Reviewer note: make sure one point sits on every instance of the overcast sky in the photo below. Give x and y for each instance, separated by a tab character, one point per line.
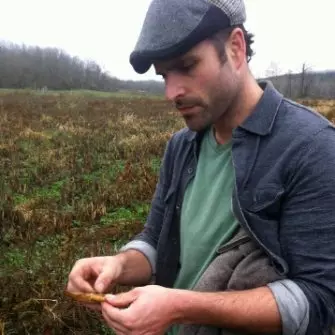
287	32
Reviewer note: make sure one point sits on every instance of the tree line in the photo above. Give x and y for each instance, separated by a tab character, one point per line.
305	84
34	67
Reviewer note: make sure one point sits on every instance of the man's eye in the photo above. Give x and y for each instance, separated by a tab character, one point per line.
186	68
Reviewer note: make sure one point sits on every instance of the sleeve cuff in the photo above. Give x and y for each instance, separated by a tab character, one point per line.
146	249
293	306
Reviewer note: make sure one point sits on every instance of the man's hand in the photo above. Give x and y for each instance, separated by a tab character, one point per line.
144	310
152	309
101	274
96	274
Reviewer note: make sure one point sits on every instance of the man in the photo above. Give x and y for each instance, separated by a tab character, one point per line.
240	236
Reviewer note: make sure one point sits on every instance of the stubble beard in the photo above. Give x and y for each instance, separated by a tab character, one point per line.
199	121
208	115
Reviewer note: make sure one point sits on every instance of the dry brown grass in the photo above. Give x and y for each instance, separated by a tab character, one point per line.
77	175
325	107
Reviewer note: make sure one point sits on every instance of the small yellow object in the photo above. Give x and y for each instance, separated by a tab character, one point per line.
86	297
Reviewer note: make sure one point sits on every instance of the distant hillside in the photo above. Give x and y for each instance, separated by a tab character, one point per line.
51	68
39	68
318	85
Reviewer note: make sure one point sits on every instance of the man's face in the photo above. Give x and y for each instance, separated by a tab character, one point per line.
201	86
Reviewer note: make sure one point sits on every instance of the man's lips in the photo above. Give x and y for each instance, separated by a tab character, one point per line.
185	109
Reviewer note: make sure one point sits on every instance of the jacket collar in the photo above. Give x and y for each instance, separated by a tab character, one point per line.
261	120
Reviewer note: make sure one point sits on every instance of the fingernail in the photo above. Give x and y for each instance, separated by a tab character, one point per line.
99	287
109	297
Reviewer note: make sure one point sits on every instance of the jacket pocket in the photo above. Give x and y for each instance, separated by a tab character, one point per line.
268	198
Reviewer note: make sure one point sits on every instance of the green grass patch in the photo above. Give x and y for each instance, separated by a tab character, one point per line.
135	212
156	164
52	191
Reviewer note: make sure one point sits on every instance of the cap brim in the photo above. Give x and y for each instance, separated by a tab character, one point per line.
211	23
140	64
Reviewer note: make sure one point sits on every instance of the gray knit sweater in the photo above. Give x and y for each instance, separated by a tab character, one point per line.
239	265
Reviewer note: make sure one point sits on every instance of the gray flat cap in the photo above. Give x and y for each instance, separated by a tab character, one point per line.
173	27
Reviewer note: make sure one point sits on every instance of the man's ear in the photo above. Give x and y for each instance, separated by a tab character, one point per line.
236	47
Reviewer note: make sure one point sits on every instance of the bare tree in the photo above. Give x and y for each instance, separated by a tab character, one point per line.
305	83
304	88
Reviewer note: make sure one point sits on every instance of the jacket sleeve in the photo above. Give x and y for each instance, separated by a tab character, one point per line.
146	241
307	228
293	306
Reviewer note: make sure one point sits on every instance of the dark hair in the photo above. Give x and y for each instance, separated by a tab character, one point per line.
219	39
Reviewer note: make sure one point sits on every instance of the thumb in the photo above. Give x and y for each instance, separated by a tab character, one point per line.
122	300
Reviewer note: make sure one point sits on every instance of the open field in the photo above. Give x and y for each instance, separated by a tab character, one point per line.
80	92
77	172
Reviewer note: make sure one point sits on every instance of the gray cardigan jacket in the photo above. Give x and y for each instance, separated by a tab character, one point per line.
239	265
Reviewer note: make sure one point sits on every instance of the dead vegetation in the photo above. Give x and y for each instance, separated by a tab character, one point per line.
76	178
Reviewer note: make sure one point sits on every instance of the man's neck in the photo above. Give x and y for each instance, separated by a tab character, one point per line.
244	104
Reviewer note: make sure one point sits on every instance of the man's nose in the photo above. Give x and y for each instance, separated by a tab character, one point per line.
174	87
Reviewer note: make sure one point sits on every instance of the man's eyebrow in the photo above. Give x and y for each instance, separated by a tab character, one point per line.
178	63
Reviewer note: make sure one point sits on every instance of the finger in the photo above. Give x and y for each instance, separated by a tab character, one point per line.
104	281
118	327
79	284
115	315
122	300
78	277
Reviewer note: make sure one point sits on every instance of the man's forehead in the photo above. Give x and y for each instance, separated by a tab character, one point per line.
191	55
171	63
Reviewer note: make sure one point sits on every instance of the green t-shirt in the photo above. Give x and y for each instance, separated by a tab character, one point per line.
207	220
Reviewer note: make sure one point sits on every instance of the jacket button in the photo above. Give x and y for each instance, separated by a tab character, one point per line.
190	170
